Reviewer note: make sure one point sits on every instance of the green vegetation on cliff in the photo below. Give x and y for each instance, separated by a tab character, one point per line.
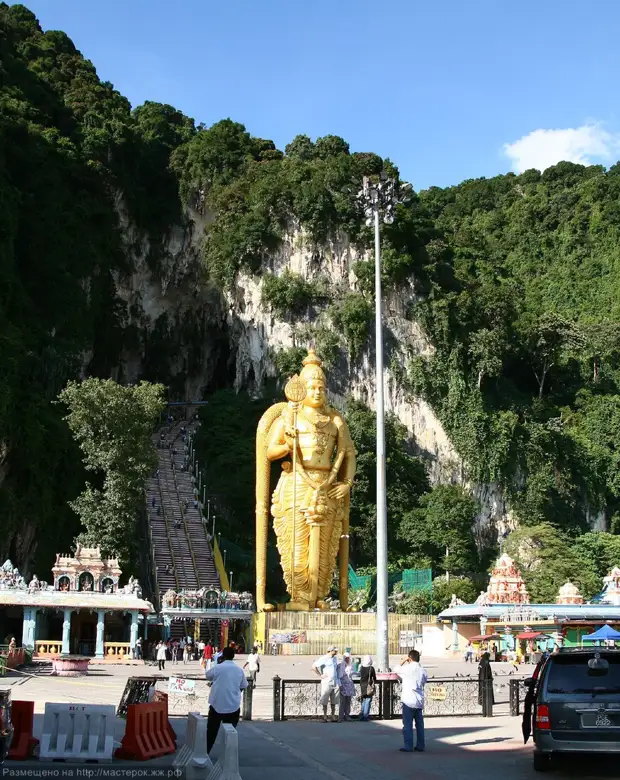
70	147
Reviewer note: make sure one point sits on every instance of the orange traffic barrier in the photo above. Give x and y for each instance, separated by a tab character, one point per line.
22	715
161	696
146	732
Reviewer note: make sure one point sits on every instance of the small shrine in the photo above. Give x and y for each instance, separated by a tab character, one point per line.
611	588
506	586
86	571
83	612
569	594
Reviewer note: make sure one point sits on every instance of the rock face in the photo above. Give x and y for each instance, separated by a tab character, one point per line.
216	339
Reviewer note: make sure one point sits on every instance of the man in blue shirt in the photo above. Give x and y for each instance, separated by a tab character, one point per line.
327	669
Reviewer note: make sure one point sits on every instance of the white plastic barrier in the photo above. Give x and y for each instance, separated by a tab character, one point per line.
78	732
194	751
227	768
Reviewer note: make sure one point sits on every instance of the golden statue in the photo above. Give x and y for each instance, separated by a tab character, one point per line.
310	505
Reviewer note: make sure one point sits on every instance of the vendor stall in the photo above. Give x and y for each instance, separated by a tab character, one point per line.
531	645
485	643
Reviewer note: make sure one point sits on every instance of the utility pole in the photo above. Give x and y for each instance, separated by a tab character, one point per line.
379	195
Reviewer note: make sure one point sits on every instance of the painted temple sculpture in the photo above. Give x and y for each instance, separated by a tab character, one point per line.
84	611
506	586
310	503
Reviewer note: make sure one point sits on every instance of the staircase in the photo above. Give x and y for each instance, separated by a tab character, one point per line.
182	551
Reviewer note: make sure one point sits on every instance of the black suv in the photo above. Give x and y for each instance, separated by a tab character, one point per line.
573	704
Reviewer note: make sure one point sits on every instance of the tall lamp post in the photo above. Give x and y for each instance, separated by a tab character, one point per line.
378	197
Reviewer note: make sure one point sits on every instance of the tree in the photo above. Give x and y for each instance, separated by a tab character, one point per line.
300	148
602	340
112	424
406	481
550	338
486	348
331	146
440	530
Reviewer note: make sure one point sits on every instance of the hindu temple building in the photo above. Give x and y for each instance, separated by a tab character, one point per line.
503	620
84	611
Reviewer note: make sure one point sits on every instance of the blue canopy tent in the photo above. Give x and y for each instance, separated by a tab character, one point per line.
605	632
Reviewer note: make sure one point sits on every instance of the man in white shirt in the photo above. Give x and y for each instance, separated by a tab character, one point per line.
225	697
413	677
327	669
253	664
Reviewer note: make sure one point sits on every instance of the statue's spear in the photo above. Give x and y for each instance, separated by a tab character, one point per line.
295	392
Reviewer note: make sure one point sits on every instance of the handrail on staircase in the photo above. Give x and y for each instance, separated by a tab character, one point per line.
189	544
187	536
153	561
163	513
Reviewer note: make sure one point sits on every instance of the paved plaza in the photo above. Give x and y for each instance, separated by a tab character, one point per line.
466	747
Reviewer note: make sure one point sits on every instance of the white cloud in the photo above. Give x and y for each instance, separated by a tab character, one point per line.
541	148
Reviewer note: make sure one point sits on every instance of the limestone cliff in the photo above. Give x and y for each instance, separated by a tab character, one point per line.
232	338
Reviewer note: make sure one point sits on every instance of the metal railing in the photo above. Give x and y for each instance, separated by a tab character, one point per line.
517	693
295	699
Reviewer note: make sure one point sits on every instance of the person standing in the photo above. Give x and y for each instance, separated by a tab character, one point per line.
347	688
253	664
186	652
175	652
161	656
368	683
207	654
469	652
138	649
227	681
413	677
485	680
327	669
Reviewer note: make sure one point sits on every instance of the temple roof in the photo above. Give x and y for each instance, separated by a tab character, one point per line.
554	612
569	589
73	599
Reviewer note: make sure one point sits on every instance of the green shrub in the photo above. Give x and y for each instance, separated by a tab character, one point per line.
288	294
288	361
351	316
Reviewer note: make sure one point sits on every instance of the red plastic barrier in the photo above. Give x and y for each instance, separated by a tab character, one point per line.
161	696
22	715
146	733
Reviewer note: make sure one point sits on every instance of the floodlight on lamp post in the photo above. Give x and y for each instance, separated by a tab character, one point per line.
378	197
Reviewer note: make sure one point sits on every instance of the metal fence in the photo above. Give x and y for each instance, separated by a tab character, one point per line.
294	699
417	579
518	691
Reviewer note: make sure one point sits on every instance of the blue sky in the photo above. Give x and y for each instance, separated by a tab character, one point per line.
439	86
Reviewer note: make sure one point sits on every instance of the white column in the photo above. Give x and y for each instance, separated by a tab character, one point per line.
99	648
455	637
66	632
27	629
133	635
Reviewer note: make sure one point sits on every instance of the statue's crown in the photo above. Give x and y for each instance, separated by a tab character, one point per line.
312	367
312	359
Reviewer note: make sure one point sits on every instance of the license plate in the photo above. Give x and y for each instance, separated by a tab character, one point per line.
600	720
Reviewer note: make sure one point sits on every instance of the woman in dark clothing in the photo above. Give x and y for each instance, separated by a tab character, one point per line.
485	677
368	682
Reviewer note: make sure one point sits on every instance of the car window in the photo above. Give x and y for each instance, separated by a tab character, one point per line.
569	674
